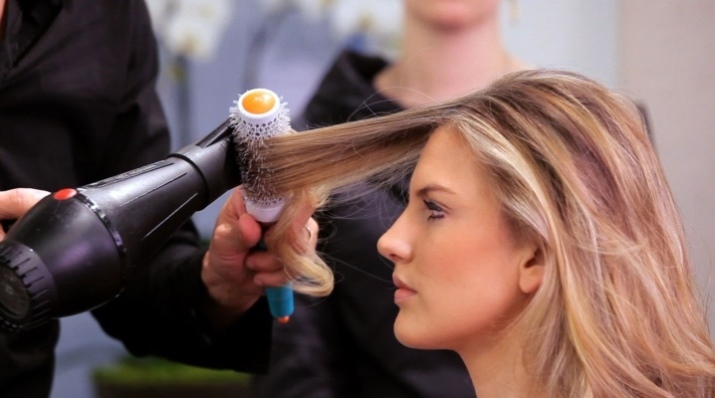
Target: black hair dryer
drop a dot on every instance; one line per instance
(75, 249)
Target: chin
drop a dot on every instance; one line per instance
(457, 16)
(414, 335)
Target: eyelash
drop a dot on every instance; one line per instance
(436, 211)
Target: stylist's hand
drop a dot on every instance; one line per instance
(236, 275)
(16, 202)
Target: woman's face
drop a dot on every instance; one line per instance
(457, 265)
(452, 14)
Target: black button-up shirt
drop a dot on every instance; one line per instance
(24, 23)
(78, 104)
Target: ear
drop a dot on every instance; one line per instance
(531, 270)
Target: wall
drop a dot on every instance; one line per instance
(290, 58)
(668, 52)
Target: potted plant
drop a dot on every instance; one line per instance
(158, 378)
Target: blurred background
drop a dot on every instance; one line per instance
(659, 52)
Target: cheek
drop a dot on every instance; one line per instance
(465, 291)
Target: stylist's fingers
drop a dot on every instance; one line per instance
(311, 228)
(16, 202)
(260, 261)
(305, 229)
(235, 232)
(271, 279)
(267, 270)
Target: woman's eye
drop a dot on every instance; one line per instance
(435, 211)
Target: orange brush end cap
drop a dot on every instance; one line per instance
(258, 102)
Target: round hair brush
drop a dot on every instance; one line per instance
(259, 114)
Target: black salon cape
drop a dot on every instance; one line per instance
(77, 104)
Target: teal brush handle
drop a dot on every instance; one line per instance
(280, 299)
(280, 302)
(258, 115)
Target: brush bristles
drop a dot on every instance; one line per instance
(251, 132)
(248, 130)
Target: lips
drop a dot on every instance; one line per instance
(403, 291)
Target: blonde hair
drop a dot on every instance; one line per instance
(617, 313)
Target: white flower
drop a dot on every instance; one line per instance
(189, 36)
(210, 11)
(190, 28)
(159, 11)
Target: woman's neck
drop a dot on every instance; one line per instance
(440, 65)
(496, 368)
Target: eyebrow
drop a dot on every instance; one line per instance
(433, 188)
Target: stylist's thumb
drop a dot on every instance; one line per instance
(16, 202)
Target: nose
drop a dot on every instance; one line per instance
(393, 244)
